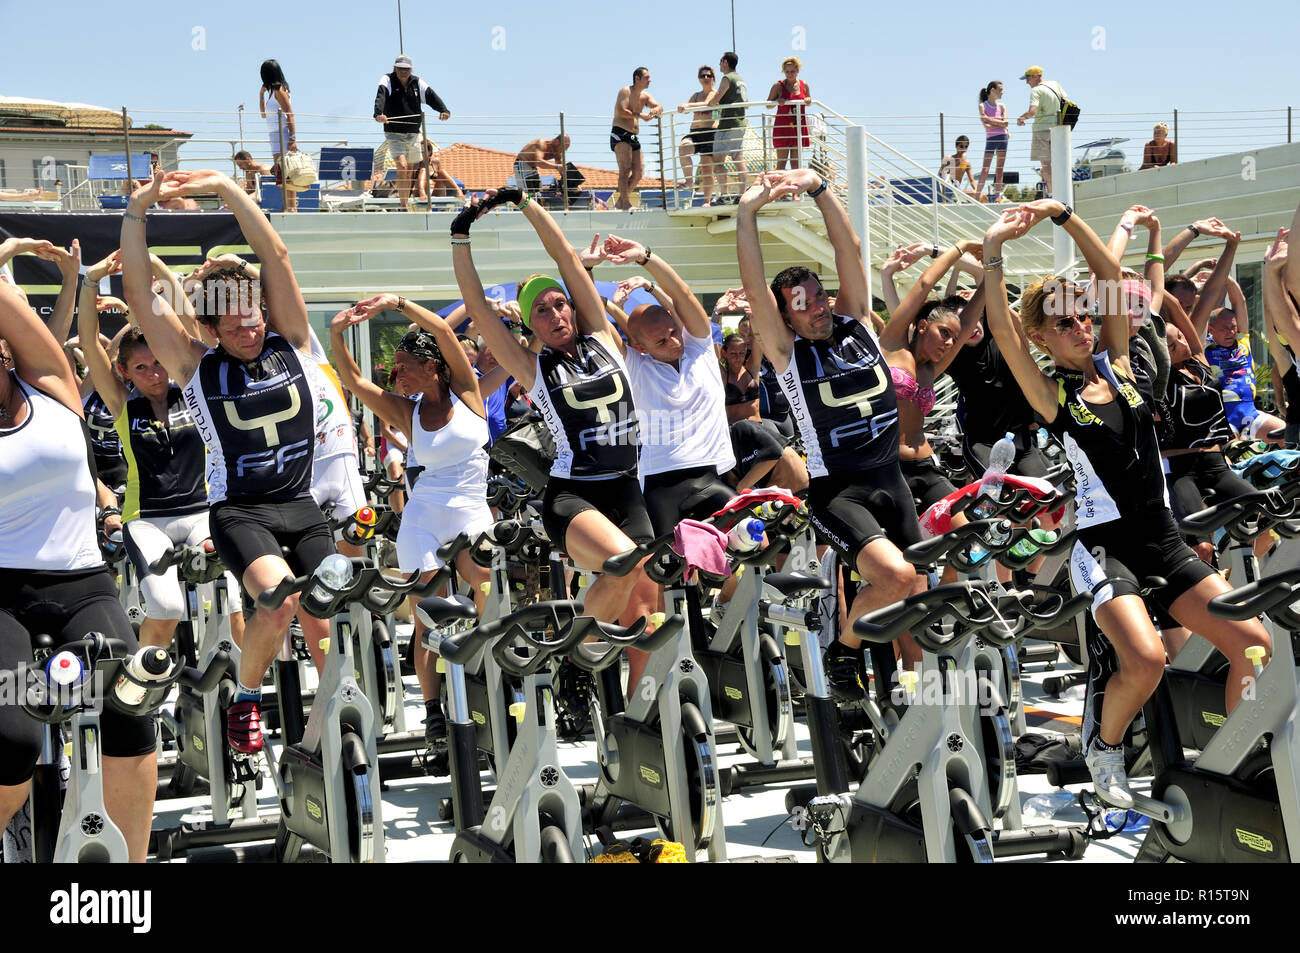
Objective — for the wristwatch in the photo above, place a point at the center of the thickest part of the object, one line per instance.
(1063, 217)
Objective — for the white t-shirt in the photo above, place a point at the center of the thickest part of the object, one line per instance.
(682, 414)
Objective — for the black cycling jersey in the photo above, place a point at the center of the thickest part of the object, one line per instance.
(842, 399)
(258, 421)
(772, 402)
(992, 404)
(1196, 417)
(164, 459)
(586, 401)
(104, 438)
(1117, 474)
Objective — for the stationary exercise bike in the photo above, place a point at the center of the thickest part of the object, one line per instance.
(535, 814)
(1239, 799)
(76, 682)
(944, 774)
(327, 781)
(656, 748)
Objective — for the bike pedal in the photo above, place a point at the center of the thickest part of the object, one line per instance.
(244, 769)
(436, 763)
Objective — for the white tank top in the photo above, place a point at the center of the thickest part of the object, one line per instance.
(334, 433)
(449, 462)
(47, 491)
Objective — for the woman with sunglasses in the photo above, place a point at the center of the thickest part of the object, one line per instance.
(1126, 534)
(699, 140)
(445, 425)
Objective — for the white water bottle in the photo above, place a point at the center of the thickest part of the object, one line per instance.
(150, 664)
(1001, 457)
(746, 536)
(332, 576)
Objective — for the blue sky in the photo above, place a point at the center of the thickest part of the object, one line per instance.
(526, 59)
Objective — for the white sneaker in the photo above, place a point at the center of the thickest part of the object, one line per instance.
(1107, 770)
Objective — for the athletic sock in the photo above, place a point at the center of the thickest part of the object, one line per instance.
(1102, 746)
(245, 694)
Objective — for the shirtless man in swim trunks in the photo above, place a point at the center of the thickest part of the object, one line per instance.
(633, 105)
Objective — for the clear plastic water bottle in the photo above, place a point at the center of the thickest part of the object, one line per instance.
(332, 576)
(1130, 821)
(998, 533)
(1041, 438)
(63, 669)
(746, 536)
(150, 664)
(1001, 457)
(1043, 807)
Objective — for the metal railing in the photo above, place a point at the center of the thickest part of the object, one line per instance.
(1199, 134)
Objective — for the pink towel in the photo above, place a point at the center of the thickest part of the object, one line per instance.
(703, 546)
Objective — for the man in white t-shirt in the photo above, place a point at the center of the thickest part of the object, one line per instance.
(677, 385)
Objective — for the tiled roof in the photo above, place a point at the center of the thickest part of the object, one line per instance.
(96, 131)
(482, 168)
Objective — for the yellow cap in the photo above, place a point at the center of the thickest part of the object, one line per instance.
(325, 645)
(657, 619)
(1255, 653)
(517, 710)
(440, 666)
(1033, 71)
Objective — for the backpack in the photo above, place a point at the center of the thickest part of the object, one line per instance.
(1068, 114)
(526, 450)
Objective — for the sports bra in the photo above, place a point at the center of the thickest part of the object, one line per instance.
(906, 388)
(734, 395)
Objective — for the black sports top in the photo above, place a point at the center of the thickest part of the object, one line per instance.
(992, 403)
(258, 421)
(586, 401)
(734, 395)
(1117, 474)
(1194, 406)
(164, 459)
(104, 439)
(842, 399)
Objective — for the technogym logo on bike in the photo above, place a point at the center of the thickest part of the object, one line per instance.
(77, 907)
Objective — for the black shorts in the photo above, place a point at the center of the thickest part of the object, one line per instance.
(617, 135)
(619, 500)
(1192, 475)
(244, 532)
(684, 494)
(754, 442)
(703, 140)
(849, 510)
(1030, 460)
(1116, 558)
(927, 482)
(65, 606)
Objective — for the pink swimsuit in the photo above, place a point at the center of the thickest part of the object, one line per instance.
(905, 388)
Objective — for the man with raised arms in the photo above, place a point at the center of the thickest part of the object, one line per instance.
(842, 402)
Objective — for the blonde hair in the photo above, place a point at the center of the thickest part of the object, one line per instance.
(1163, 127)
(791, 59)
(1033, 301)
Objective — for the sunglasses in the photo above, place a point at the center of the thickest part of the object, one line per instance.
(1066, 325)
(705, 76)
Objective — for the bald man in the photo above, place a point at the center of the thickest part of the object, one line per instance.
(677, 385)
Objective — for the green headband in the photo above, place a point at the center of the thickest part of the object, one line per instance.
(529, 293)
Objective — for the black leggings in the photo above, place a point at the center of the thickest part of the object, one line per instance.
(1192, 475)
(66, 606)
(849, 510)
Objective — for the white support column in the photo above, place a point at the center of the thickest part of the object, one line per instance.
(1063, 192)
(856, 159)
